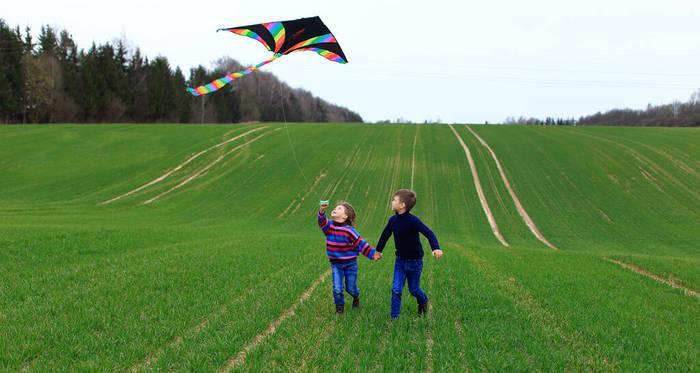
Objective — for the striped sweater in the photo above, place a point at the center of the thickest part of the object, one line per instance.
(342, 240)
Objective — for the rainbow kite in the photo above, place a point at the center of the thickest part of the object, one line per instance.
(285, 37)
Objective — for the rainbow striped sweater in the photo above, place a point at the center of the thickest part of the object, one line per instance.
(342, 240)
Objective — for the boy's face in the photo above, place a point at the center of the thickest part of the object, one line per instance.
(397, 205)
(339, 215)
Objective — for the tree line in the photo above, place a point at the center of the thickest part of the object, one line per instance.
(51, 80)
(675, 114)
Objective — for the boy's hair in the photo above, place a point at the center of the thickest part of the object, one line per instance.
(408, 197)
(350, 211)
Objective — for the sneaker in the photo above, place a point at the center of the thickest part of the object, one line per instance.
(422, 308)
(339, 308)
(356, 302)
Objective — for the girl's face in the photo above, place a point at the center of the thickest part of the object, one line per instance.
(339, 215)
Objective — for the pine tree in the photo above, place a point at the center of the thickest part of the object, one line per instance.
(48, 42)
(11, 74)
(161, 91)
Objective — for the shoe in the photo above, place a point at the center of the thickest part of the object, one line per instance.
(422, 308)
(356, 302)
(339, 308)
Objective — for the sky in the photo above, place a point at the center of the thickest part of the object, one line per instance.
(449, 61)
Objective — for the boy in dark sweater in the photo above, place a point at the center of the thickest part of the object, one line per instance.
(409, 252)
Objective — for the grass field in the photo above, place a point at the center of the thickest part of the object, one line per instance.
(195, 248)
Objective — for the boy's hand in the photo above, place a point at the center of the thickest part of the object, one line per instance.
(437, 254)
(377, 255)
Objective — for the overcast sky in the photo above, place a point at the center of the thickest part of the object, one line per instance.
(457, 61)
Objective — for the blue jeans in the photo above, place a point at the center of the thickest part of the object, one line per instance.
(344, 270)
(406, 270)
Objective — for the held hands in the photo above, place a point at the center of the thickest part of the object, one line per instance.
(437, 254)
(377, 255)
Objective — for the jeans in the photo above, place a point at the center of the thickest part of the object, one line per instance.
(406, 270)
(344, 270)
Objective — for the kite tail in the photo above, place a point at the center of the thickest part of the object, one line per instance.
(219, 83)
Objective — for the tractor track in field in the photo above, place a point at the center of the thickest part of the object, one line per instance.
(322, 338)
(191, 332)
(178, 167)
(301, 200)
(645, 161)
(346, 347)
(462, 338)
(676, 161)
(518, 205)
(587, 356)
(207, 167)
(637, 269)
(480, 191)
(28, 364)
(357, 174)
(395, 172)
(429, 332)
(373, 206)
(646, 167)
(567, 179)
(381, 350)
(652, 167)
(239, 358)
(413, 158)
(391, 178)
(347, 166)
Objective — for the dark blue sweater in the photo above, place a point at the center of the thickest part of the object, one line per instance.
(405, 228)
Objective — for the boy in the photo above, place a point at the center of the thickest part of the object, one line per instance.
(409, 252)
(343, 244)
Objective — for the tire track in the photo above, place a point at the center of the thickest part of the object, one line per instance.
(645, 161)
(654, 276)
(239, 358)
(320, 341)
(462, 338)
(429, 331)
(153, 357)
(316, 181)
(676, 161)
(480, 191)
(518, 206)
(207, 167)
(347, 166)
(413, 160)
(178, 167)
(395, 172)
(584, 355)
(330, 190)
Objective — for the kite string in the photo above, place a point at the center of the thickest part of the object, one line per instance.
(289, 137)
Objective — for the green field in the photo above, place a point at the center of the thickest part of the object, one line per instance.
(220, 264)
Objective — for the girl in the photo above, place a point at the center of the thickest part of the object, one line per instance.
(343, 245)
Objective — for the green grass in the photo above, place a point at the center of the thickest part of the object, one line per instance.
(196, 275)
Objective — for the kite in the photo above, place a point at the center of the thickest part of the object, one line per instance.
(282, 38)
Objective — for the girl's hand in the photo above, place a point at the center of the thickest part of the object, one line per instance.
(437, 254)
(323, 205)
